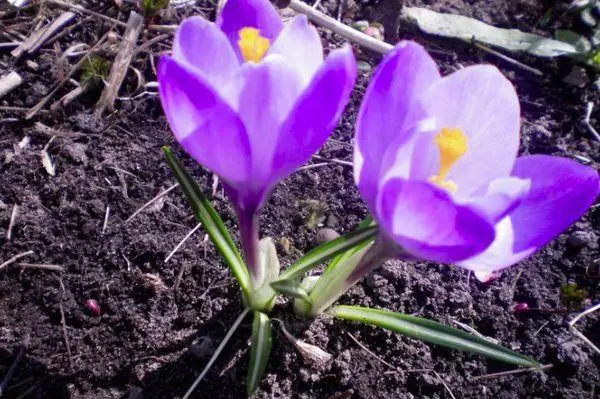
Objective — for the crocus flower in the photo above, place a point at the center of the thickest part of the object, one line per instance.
(436, 161)
(252, 99)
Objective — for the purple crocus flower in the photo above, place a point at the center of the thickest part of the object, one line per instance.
(436, 161)
(252, 99)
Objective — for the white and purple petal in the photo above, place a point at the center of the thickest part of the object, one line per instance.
(389, 109)
(201, 45)
(315, 114)
(300, 44)
(269, 92)
(427, 224)
(203, 122)
(501, 197)
(484, 105)
(561, 191)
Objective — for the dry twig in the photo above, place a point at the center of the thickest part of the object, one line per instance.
(39, 37)
(38, 107)
(335, 26)
(15, 258)
(54, 268)
(106, 216)
(11, 223)
(120, 65)
(577, 333)
(511, 372)
(147, 204)
(586, 120)
(9, 82)
(63, 321)
(187, 236)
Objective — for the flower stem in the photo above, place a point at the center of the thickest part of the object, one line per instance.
(250, 239)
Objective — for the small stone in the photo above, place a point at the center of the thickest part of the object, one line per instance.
(202, 348)
(581, 239)
(332, 221)
(364, 67)
(325, 235)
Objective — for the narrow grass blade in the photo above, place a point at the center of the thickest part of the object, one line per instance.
(328, 250)
(432, 332)
(259, 350)
(291, 288)
(211, 221)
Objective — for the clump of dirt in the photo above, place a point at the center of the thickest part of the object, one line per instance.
(160, 321)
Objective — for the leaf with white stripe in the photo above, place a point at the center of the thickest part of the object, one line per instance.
(259, 350)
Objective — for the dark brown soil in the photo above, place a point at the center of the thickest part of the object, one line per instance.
(151, 341)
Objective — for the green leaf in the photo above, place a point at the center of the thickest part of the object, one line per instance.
(290, 288)
(581, 43)
(432, 332)
(211, 221)
(259, 350)
(328, 250)
(469, 29)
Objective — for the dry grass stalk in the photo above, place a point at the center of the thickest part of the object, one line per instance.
(9, 82)
(120, 66)
(39, 37)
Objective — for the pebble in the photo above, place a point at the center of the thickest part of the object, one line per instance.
(325, 235)
(579, 239)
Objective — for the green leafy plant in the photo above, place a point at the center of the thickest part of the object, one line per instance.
(310, 299)
(151, 7)
(572, 297)
(94, 71)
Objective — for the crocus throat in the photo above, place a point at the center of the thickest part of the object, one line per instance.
(252, 45)
(453, 144)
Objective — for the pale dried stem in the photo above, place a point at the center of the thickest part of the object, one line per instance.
(586, 120)
(147, 204)
(63, 322)
(120, 65)
(55, 268)
(37, 108)
(11, 223)
(218, 351)
(9, 82)
(187, 236)
(511, 372)
(344, 30)
(106, 216)
(577, 333)
(39, 37)
(16, 258)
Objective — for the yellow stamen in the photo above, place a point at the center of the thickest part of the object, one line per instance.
(453, 144)
(252, 45)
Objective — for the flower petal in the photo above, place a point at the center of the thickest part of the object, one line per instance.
(203, 46)
(259, 14)
(483, 103)
(269, 92)
(388, 109)
(316, 113)
(300, 44)
(425, 222)
(499, 254)
(561, 191)
(502, 196)
(203, 123)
